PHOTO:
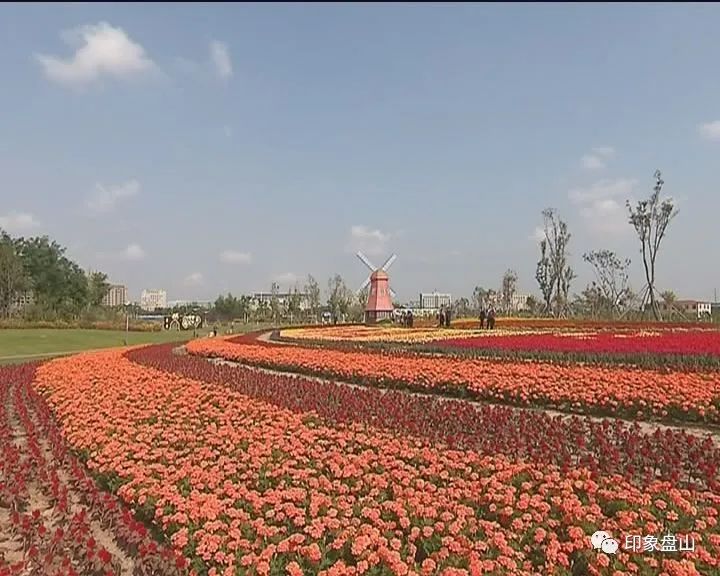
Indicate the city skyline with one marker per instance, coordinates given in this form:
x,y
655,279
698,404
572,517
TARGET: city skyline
x,y
222,148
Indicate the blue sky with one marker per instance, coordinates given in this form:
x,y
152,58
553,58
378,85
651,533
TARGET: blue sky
x,y
208,148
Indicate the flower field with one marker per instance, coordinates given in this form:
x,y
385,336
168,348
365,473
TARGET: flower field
x,y
636,393
658,342
665,347
244,479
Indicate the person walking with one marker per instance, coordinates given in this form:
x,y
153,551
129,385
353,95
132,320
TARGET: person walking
x,y
448,314
410,319
482,318
491,318
442,316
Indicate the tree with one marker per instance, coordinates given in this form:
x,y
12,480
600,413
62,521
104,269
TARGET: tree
x,y
98,287
12,276
339,296
509,286
543,275
479,297
357,307
553,273
293,304
612,281
274,301
312,289
461,308
59,285
650,218
668,297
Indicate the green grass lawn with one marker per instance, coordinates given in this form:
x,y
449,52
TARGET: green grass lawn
x,y
35,343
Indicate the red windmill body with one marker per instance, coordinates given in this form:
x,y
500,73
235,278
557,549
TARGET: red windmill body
x,y
379,304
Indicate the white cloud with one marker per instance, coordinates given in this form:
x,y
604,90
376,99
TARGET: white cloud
x,y
286,278
18,222
194,279
592,162
221,59
106,197
597,160
603,189
133,252
710,130
235,257
371,242
538,234
100,50
602,204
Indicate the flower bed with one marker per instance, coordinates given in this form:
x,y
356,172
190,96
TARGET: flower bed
x,y
53,517
244,485
590,389
605,447
676,342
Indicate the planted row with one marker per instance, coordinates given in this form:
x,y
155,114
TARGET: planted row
x,y
245,486
57,520
607,447
615,391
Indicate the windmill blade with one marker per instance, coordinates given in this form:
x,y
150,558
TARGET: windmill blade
x,y
366,261
389,262
365,285
392,292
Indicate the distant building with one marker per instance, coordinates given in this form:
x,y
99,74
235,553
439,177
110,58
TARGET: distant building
x,y
153,299
206,304
116,296
690,308
283,299
518,302
22,300
434,300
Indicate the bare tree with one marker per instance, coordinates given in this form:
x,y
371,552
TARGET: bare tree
x,y
312,289
479,297
650,218
612,280
509,286
339,296
553,273
543,275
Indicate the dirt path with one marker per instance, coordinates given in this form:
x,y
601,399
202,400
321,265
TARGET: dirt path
x,y
646,427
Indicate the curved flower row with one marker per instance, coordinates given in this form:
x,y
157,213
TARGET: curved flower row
x,y
604,390
605,447
241,485
375,334
679,342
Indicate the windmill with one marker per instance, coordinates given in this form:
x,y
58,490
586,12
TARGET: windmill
x,y
379,305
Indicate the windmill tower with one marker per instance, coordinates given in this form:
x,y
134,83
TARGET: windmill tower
x,y
379,305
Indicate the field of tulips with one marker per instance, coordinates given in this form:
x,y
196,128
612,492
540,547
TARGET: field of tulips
x,y
374,334
616,391
330,480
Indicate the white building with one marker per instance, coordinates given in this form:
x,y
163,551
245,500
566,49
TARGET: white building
x,y
283,299
153,299
116,296
688,308
434,300
22,300
518,302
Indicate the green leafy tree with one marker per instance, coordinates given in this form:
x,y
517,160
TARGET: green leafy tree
x,y
98,287
12,275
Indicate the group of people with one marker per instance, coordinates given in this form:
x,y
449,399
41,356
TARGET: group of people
x,y
406,319
444,316
487,318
